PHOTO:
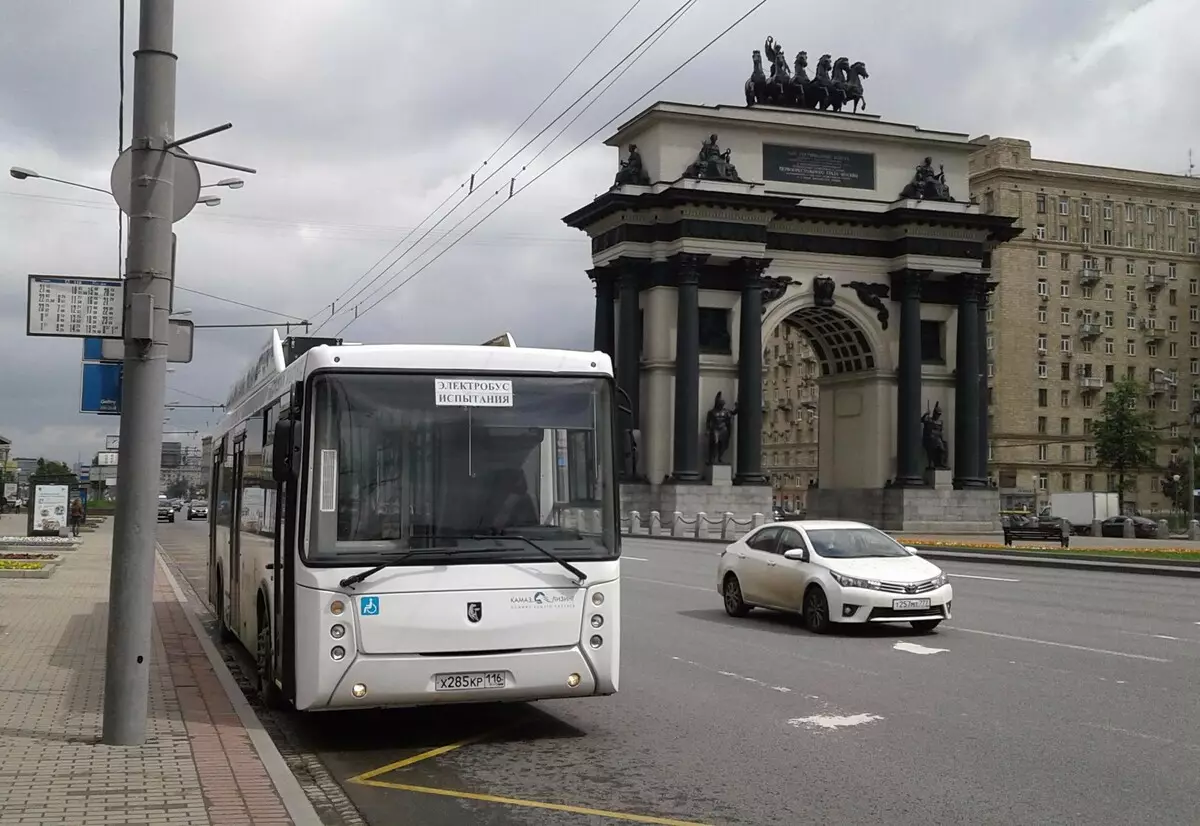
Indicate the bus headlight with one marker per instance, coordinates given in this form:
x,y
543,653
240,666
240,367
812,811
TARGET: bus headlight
x,y
337,631
596,641
597,620
597,598
337,607
337,652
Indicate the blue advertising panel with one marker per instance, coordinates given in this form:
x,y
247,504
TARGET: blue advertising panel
x,y
101,388
93,349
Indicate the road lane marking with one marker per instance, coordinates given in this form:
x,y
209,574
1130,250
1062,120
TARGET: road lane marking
x,y
532,804
1063,645
831,721
1155,636
712,590
988,578
733,675
635,558
1142,735
369,776
913,648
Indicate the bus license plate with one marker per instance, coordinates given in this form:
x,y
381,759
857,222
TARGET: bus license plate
x,y
469,682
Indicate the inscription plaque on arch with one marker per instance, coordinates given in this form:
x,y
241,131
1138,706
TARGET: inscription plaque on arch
x,y
818,167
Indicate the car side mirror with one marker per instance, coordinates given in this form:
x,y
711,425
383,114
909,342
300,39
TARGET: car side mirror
x,y
796,555
281,450
912,550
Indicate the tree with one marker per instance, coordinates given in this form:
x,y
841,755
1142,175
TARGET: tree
x,y
1124,434
177,489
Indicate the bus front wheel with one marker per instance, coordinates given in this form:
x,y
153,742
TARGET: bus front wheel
x,y
264,659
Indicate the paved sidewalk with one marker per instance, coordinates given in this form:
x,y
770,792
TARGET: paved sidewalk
x,y
198,767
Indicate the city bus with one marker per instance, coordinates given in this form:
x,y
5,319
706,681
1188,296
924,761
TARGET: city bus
x,y
408,525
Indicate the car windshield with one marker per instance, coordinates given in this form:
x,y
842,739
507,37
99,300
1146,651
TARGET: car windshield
x,y
854,543
199,504
407,461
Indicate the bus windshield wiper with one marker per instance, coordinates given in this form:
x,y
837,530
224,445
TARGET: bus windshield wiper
x,y
540,548
354,579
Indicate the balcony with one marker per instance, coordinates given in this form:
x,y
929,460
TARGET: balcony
x,y
1089,276
1159,386
1152,333
1090,384
1154,281
1089,329
784,404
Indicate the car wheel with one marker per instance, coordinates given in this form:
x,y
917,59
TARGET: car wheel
x,y
925,626
816,611
735,606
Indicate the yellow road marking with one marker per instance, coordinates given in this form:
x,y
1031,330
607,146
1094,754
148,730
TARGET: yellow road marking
x,y
530,804
417,758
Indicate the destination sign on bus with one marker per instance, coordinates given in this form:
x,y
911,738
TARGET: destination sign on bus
x,y
473,393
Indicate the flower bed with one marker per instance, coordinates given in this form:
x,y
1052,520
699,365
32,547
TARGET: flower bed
x,y
18,542
24,555
26,569
975,545
20,565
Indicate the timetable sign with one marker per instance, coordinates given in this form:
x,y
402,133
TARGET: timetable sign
x,y
72,307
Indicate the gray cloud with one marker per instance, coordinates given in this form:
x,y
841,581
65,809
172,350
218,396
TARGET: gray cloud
x,y
363,116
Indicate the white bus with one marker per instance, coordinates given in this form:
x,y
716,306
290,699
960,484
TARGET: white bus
x,y
395,525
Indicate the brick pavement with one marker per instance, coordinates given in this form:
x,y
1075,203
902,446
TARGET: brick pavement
x,y
198,766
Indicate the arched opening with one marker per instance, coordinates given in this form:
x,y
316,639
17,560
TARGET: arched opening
x,y
809,344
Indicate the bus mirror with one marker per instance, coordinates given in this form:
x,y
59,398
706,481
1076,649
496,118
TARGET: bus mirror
x,y
281,451
626,408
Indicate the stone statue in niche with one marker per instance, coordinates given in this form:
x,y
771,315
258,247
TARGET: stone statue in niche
x,y
718,424
927,185
823,291
933,438
632,170
872,295
712,164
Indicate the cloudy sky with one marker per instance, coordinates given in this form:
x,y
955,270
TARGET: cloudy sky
x,y
362,116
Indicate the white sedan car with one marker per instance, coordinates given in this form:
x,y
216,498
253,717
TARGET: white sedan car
x,y
832,572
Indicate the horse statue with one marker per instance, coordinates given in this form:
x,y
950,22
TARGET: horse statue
x,y
805,92
756,85
848,78
835,97
779,85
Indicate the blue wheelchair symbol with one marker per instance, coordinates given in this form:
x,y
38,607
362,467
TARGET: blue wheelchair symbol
x,y
369,606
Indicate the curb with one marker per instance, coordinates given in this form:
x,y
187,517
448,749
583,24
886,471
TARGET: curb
x,y
1083,562
295,801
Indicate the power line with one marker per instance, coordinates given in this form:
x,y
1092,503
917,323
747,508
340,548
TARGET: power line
x,y
194,395
648,43
535,179
657,32
237,303
471,181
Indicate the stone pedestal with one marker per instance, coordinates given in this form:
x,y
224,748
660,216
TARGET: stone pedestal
x,y
939,479
720,476
912,510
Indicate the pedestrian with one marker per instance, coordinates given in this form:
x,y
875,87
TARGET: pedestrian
x,y
76,515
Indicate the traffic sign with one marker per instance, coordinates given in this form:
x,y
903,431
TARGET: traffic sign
x,y
185,185
100,390
74,307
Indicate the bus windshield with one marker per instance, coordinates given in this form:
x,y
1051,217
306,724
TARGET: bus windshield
x,y
479,467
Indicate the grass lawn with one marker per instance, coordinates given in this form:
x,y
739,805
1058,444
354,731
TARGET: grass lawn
x,y
1146,554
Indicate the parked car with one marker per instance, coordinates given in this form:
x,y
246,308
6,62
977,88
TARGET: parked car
x,y
197,510
1143,528
831,572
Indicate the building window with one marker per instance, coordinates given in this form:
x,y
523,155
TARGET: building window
x,y
1191,246
1043,453
1064,398
1042,371
1042,425
1108,292
1040,232
1109,373
1087,427
1064,344
714,331
1041,259
1173,349
1064,260
931,343
1062,233
1043,481
1130,347
1109,347
1043,396
1129,240
1193,287
1064,289
1106,237
1085,235
1108,210
1064,316
1108,264
1170,243
1041,203
1065,372
1088,482
1064,426
1064,206
1130,321
1085,209
1151,215
1089,453
1150,241
1043,288
1172,271
1086,291
1066,477
1170,216
1128,213
991,342
1041,315
1041,342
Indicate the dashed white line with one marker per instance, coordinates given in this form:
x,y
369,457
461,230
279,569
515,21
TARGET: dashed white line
x,y
913,648
1064,645
635,558
711,590
830,721
988,578
733,675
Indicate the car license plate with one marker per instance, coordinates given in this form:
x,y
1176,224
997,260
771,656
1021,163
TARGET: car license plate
x,y
469,682
909,604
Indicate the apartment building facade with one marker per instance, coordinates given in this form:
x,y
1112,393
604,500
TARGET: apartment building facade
x,y
1103,283
789,435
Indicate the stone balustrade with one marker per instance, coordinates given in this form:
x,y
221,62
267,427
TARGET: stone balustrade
x,y
726,526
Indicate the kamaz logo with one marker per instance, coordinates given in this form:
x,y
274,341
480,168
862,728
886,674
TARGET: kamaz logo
x,y
474,611
542,599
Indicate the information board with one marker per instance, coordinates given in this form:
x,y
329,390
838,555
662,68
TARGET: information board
x,y
818,167
71,307
100,388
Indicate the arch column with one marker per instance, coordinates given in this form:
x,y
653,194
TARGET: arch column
x,y
605,323
750,373
966,386
985,289
686,461
908,378
628,345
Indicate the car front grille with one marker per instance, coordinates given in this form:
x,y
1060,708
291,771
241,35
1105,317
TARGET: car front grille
x,y
894,614
912,588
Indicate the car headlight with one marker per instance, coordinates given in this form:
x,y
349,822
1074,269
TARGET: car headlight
x,y
854,582
940,580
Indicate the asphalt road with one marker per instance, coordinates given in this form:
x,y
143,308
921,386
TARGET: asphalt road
x,y
1053,696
